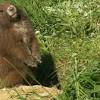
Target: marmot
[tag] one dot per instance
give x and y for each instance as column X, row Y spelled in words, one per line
column 19, row 48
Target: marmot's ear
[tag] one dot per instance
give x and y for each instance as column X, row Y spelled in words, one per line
column 12, row 11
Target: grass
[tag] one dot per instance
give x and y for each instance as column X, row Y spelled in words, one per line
column 69, row 30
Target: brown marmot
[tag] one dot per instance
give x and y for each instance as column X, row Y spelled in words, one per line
column 19, row 48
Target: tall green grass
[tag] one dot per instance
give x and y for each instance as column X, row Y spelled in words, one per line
column 70, row 31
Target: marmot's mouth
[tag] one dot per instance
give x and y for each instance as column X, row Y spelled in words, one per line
column 33, row 64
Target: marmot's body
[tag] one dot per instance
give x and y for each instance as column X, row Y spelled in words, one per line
column 19, row 48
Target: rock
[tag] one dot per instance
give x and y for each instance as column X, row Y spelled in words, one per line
column 36, row 92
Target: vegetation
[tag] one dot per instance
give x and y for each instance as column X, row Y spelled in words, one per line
column 69, row 30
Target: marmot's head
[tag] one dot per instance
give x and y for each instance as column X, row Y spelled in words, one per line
column 18, row 36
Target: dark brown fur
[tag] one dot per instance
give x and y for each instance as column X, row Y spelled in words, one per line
column 19, row 48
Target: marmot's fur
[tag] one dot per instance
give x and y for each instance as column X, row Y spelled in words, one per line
column 19, row 48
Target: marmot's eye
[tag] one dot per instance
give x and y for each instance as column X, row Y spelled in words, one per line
column 1, row 10
column 21, row 41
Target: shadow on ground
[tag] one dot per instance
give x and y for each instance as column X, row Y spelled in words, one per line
column 45, row 73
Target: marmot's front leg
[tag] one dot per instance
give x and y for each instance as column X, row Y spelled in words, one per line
column 14, row 78
column 10, row 75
